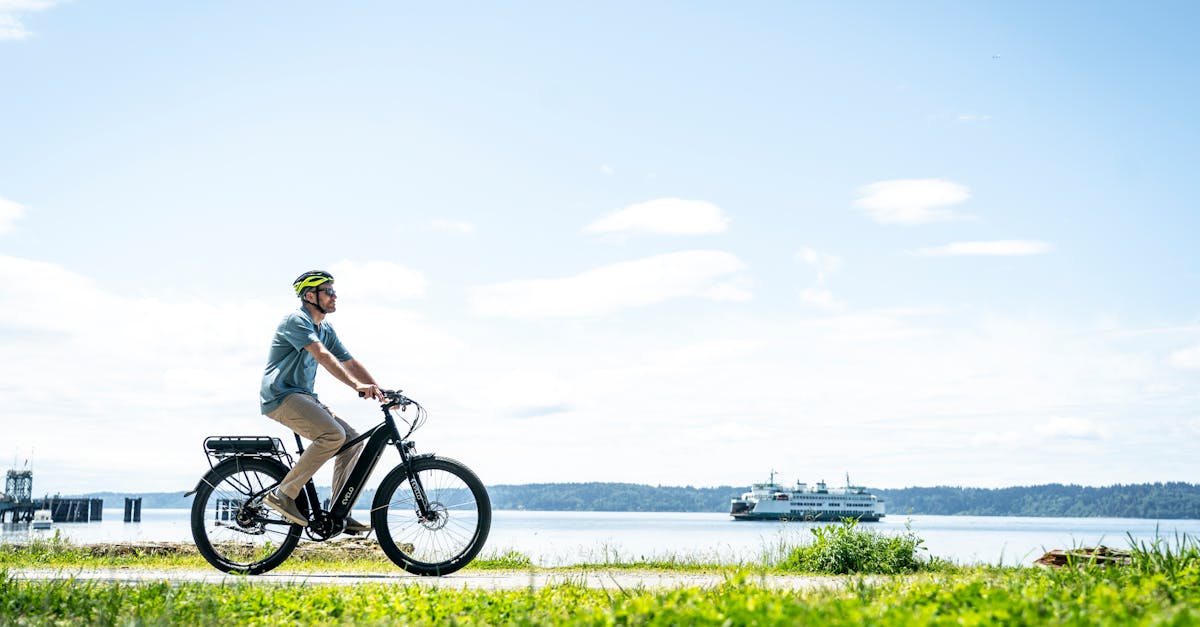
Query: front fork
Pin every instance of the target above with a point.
(424, 511)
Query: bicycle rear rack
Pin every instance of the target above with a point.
(220, 447)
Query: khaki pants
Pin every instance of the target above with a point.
(312, 420)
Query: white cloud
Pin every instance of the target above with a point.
(377, 281)
(700, 355)
(1007, 248)
(820, 298)
(452, 226)
(44, 295)
(1038, 398)
(168, 373)
(607, 169)
(529, 393)
(973, 117)
(671, 216)
(824, 263)
(10, 212)
(1041, 434)
(870, 326)
(44, 299)
(697, 273)
(11, 26)
(1071, 428)
(994, 439)
(735, 290)
(911, 201)
(1186, 358)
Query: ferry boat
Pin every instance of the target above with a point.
(42, 519)
(771, 501)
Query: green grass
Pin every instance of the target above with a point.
(1163, 590)
(355, 557)
(1159, 586)
(836, 549)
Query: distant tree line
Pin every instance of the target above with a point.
(1146, 500)
(611, 497)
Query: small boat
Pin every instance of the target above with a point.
(42, 519)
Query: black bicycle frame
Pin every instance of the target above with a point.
(378, 437)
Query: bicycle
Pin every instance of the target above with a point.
(431, 515)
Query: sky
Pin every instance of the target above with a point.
(667, 243)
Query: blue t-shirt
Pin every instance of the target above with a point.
(290, 368)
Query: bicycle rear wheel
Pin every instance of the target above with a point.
(460, 516)
(233, 529)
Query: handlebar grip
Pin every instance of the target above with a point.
(386, 393)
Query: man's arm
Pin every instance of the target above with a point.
(352, 377)
(358, 371)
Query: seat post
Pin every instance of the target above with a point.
(299, 444)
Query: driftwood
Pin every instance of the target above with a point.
(1100, 555)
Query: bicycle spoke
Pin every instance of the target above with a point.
(235, 530)
(453, 528)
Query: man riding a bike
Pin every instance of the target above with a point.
(304, 339)
(430, 514)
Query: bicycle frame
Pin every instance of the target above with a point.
(430, 534)
(378, 438)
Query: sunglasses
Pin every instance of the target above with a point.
(327, 290)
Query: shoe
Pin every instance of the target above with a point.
(355, 527)
(286, 506)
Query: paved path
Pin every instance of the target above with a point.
(491, 580)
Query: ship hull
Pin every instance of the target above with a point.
(805, 517)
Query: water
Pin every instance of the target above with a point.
(564, 538)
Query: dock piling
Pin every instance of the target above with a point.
(133, 509)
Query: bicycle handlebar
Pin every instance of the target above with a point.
(393, 399)
(392, 396)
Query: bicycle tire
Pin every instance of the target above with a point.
(228, 514)
(446, 543)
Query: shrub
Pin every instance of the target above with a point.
(846, 548)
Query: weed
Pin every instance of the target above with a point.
(846, 548)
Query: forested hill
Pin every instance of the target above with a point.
(612, 497)
(1152, 500)
(1147, 500)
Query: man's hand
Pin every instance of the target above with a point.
(369, 390)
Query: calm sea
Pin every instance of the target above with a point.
(564, 538)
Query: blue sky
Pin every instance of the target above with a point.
(665, 243)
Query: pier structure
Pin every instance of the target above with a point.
(17, 504)
(18, 485)
(17, 499)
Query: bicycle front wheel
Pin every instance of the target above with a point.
(450, 535)
(233, 529)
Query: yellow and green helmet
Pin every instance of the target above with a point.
(312, 278)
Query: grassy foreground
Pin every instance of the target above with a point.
(1160, 586)
(835, 549)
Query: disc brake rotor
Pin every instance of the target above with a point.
(437, 518)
